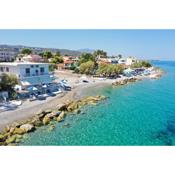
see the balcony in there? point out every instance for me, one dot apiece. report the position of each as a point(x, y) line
point(38, 79)
point(35, 74)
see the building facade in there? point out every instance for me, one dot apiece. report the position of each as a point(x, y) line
point(28, 73)
point(7, 55)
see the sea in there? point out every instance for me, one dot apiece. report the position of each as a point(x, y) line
point(137, 114)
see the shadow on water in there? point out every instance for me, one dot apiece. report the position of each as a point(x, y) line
point(167, 134)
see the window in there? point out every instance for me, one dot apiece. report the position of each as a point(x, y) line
point(7, 69)
point(42, 70)
point(31, 66)
point(37, 65)
point(27, 71)
point(1, 69)
point(36, 71)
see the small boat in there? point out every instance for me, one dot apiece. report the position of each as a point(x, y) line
point(16, 102)
point(65, 85)
point(57, 92)
point(41, 97)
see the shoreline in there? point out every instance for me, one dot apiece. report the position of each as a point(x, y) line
point(25, 113)
point(28, 110)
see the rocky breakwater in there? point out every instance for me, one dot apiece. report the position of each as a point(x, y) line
point(13, 134)
point(125, 81)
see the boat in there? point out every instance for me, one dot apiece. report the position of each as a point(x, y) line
point(57, 92)
point(64, 84)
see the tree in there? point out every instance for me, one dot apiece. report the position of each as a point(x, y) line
point(109, 70)
point(85, 57)
point(100, 52)
point(41, 54)
point(57, 59)
point(47, 54)
point(58, 53)
point(52, 67)
point(8, 82)
point(26, 51)
point(119, 56)
point(140, 64)
point(87, 68)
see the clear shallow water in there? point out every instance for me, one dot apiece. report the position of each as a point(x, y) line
point(142, 113)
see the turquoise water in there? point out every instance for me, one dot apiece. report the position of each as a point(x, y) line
point(142, 113)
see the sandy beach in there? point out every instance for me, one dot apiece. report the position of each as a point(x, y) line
point(29, 109)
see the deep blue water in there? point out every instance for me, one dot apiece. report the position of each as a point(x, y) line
point(142, 113)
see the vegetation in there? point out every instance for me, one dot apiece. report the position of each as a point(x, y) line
point(119, 56)
point(26, 51)
point(52, 67)
point(85, 57)
point(58, 53)
point(109, 70)
point(76, 70)
point(100, 52)
point(57, 59)
point(140, 64)
point(7, 83)
point(47, 55)
point(87, 68)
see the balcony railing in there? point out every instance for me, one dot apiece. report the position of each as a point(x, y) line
point(34, 75)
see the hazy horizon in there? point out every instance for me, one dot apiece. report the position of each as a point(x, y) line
point(146, 44)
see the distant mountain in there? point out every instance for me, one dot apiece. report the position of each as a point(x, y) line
point(37, 50)
point(86, 50)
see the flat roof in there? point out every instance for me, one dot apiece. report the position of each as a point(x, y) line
point(21, 63)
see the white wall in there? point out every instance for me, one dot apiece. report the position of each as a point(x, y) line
point(33, 69)
point(20, 69)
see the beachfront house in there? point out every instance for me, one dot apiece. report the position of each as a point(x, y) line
point(29, 58)
point(127, 61)
point(130, 61)
point(28, 73)
point(68, 64)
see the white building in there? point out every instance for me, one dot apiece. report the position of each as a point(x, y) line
point(7, 54)
point(130, 61)
point(29, 58)
point(28, 73)
point(127, 61)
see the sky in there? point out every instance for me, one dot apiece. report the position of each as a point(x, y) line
point(147, 44)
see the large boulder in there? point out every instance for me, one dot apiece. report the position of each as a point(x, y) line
point(46, 120)
point(36, 122)
point(27, 127)
point(11, 130)
point(53, 114)
point(61, 116)
point(19, 131)
point(47, 111)
point(62, 107)
point(72, 106)
point(11, 139)
point(40, 114)
point(3, 137)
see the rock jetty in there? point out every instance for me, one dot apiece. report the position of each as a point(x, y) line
point(13, 134)
point(125, 81)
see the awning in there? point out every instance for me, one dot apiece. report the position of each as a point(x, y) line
point(36, 80)
point(25, 83)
